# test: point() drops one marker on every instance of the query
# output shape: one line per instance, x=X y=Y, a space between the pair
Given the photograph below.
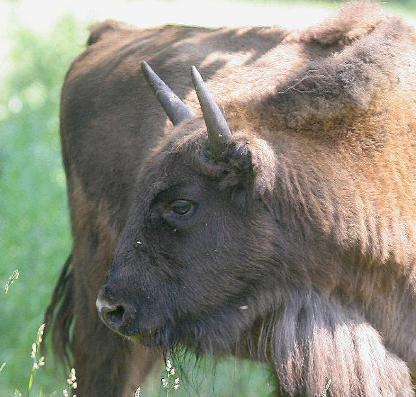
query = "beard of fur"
x=310 y=341
x=313 y=342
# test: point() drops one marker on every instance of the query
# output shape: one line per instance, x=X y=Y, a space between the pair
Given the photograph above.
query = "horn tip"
x=145 y=66
x=196 y=77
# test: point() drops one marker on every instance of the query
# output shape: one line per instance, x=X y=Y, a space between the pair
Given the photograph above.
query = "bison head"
x=200 y=239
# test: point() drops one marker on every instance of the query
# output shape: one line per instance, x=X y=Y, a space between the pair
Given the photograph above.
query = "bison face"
x=197 y=244
x=200 y=239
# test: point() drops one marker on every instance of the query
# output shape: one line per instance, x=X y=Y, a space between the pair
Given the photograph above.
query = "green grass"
x=33 y=215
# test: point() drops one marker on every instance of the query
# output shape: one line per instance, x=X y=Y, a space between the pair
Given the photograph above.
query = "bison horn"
x=175 y=109
x=219 y=134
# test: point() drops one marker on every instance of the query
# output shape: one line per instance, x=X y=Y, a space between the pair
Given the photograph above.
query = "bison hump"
x=354 y=21
x=101 y=29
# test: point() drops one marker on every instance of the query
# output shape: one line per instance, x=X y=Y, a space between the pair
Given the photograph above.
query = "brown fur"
x=312 y=215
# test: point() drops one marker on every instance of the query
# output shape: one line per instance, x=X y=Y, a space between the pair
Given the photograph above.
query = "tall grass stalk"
x=12 y=278
x=38 y=361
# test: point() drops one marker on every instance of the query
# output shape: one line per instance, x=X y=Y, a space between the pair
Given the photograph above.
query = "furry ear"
x=239 y=159
x=249 y=168
x=238 y=173
x=249 y=164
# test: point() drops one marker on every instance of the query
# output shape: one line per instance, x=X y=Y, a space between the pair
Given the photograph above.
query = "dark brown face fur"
x=194 y=278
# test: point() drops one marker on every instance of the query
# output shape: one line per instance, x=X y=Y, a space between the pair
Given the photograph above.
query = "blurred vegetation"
x=33 y=216
x=403 y=4
x=34 y=225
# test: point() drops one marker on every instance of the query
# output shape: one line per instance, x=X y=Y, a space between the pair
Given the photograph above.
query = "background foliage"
x=34 y=227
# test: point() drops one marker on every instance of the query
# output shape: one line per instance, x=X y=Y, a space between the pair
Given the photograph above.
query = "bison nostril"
x=119 y=316
x=112 y=315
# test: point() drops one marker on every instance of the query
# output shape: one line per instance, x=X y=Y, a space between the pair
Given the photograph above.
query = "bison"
x=268 y=212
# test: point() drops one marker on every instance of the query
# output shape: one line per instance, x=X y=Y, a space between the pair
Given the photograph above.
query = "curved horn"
x=219 y=134
x=175 y=109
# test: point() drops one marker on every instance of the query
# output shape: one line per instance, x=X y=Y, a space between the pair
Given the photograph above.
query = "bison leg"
x=317 y=341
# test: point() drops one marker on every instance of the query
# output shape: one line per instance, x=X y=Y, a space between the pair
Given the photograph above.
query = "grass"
x=33 y=215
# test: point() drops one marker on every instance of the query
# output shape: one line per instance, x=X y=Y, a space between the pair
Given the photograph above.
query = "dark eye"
x=181 y=207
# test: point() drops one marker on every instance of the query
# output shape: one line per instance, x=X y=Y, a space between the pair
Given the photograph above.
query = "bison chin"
x=220 y=334
x=219 y=330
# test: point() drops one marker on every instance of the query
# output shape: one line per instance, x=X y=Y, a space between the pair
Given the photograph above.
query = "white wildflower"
x=34 y=350
x=72 y=380
x=168 y=382
x=40 y=334
x=41 y=361
x=37 y=363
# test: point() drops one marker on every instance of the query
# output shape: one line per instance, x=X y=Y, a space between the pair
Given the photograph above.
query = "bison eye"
x=181 y=207
x=179 y=213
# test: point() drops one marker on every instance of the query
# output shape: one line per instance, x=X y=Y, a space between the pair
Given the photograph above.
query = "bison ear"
x=239 y=157
x=251 y=168
x=238 y=170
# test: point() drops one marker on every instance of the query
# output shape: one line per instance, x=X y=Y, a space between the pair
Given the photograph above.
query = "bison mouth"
x=169 y=339
x=156 y=338
x=219 y=334
x=218 y=331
